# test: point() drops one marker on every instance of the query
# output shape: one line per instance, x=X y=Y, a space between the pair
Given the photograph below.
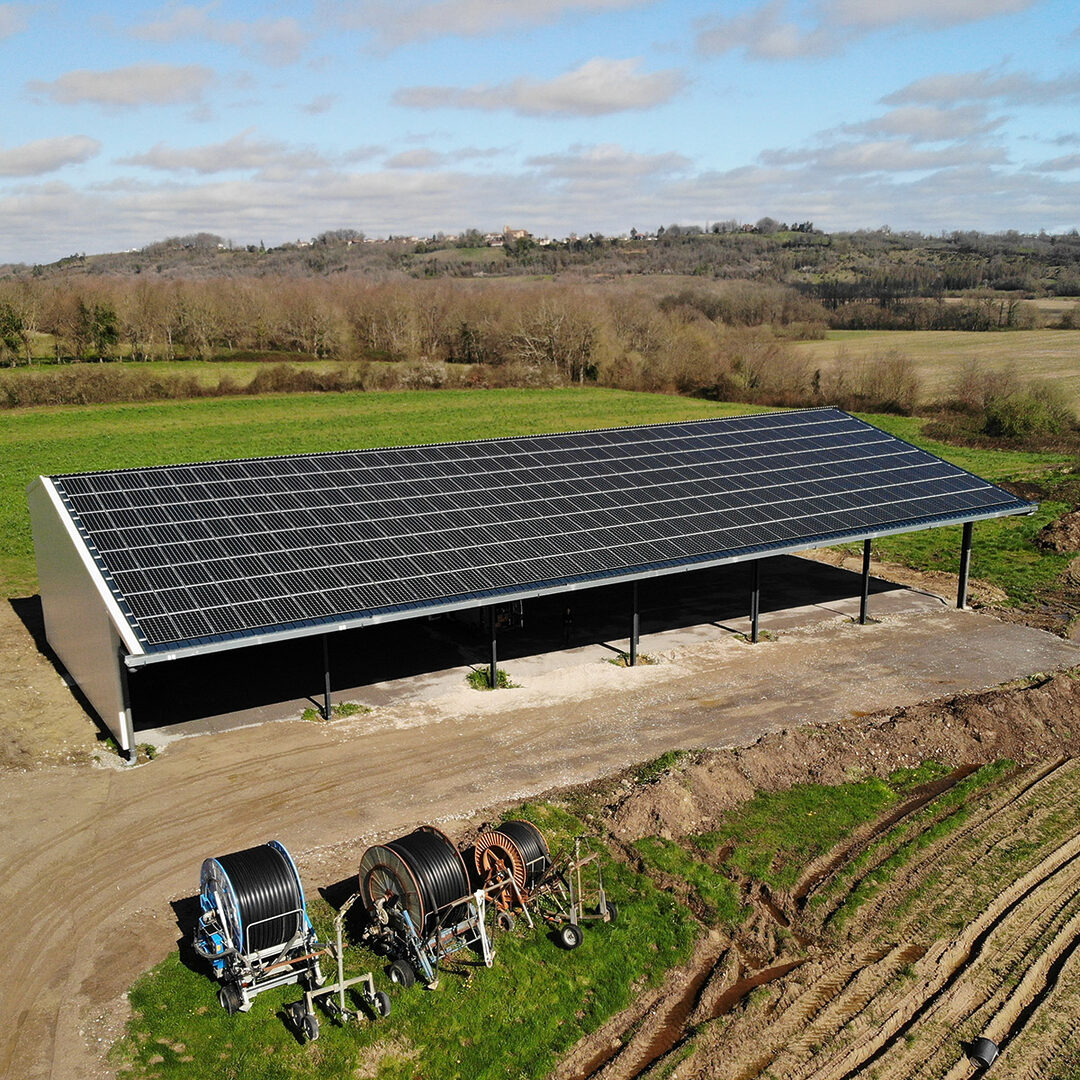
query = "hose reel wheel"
x=517 y=849
x=423 y=873
x=258 y=894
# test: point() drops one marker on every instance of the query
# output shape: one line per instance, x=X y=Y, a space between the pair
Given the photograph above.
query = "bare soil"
x=976 y=935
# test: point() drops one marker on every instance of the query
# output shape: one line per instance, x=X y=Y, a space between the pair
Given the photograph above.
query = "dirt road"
x=92 y=857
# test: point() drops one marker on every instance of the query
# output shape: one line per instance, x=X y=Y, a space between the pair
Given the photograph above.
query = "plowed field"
x=955 y=917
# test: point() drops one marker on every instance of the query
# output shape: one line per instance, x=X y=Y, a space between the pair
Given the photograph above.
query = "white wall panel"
x=77 y=621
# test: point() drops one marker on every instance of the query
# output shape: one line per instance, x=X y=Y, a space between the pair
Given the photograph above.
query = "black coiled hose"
x=533 y=847
x=268 y=896
x=424 y=872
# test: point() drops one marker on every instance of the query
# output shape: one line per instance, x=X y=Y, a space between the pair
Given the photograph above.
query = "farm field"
x=207 y=373
x=954 y=916
x=746 y=934
x=940 y=355
x=76 y=438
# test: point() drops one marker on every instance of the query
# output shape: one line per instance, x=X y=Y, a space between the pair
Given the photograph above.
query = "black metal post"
x=326 y=676
x=755 y=601
x=633 y=624
x=965 y=566
x=493 y=671
x=864 y=603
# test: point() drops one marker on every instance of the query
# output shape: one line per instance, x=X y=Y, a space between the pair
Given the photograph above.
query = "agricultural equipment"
x=302 y=1013
x=254 y=927
x=420 y=907
x=516 y=869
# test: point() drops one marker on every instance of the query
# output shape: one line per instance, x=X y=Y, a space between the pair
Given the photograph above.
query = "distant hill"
x=834 y=268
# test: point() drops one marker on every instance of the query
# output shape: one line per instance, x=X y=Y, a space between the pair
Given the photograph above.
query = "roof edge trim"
x=116 y=616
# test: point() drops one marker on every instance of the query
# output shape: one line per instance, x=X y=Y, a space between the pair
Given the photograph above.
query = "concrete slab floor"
x=916 y=647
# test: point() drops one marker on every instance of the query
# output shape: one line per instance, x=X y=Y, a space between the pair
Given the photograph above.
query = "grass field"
x=514 y=1020
x=47 y=441
x=899 y=893
x=74 y=438
x=207 y=373
x=939 y=355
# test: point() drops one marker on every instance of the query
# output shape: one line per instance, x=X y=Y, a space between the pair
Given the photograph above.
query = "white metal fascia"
x=116 y=616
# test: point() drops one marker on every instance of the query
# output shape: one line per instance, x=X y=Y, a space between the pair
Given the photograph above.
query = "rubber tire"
x=382 y=1004
x=505 y=921
x=229 y=998
x=310 y=1026
x=570 y=936
x=612 y=912
x=402 y=973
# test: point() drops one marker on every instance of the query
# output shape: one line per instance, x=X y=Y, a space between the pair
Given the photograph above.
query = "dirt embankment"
x=1030 y=722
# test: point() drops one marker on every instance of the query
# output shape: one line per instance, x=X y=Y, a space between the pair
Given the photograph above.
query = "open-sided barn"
x=147 y=566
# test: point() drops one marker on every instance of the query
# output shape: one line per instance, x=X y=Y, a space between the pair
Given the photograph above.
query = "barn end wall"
x=77 y=620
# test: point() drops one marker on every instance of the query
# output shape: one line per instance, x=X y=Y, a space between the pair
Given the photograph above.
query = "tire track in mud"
x=821 y=870
x=898 y=1010
x=918 y=866
x=947 y=966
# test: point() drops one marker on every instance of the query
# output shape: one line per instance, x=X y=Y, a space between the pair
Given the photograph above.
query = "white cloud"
x=928 y=123
x=786 y=30
x=399 y=22
x=767 y=34
x=1017 y=89
x=47 y=155
x=885 y=155
x=415 y=159
x=12 y=20
x=318 y=105
x=608 y=161
x=1060 y=164
x=596 y=88
x=240 y=153
x=276 y=41
x=876 y=13
x=128 y=87
x=585 y=189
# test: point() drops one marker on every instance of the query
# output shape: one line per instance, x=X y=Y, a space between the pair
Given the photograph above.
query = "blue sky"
x=124 y=124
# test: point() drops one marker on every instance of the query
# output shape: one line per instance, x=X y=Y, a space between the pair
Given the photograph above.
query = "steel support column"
x=493 y=670
x=633 y=623
x=755 y=600
x=864 y=602
x=326 y=676
x=125 y=696
x=965 y=566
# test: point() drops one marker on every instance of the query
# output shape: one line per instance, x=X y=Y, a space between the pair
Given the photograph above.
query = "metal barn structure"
x=146 y=566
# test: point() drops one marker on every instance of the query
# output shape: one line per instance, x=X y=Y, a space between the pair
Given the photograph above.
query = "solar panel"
x=229 y=550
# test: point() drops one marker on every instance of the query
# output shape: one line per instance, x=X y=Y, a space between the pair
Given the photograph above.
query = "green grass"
x=338 y=711
x=47 y=441
x=933 y=822
x=772 y=837
x=513 y=1020
x=651 y=771
x=83 y=438
x=718 y=894
x=776 y=833
x=480 y=679
x=1002 y=550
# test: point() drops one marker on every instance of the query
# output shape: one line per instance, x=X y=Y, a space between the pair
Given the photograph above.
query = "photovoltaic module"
x=230 y=550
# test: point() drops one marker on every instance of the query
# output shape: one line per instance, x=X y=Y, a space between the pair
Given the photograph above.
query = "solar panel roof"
x=221 y=553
